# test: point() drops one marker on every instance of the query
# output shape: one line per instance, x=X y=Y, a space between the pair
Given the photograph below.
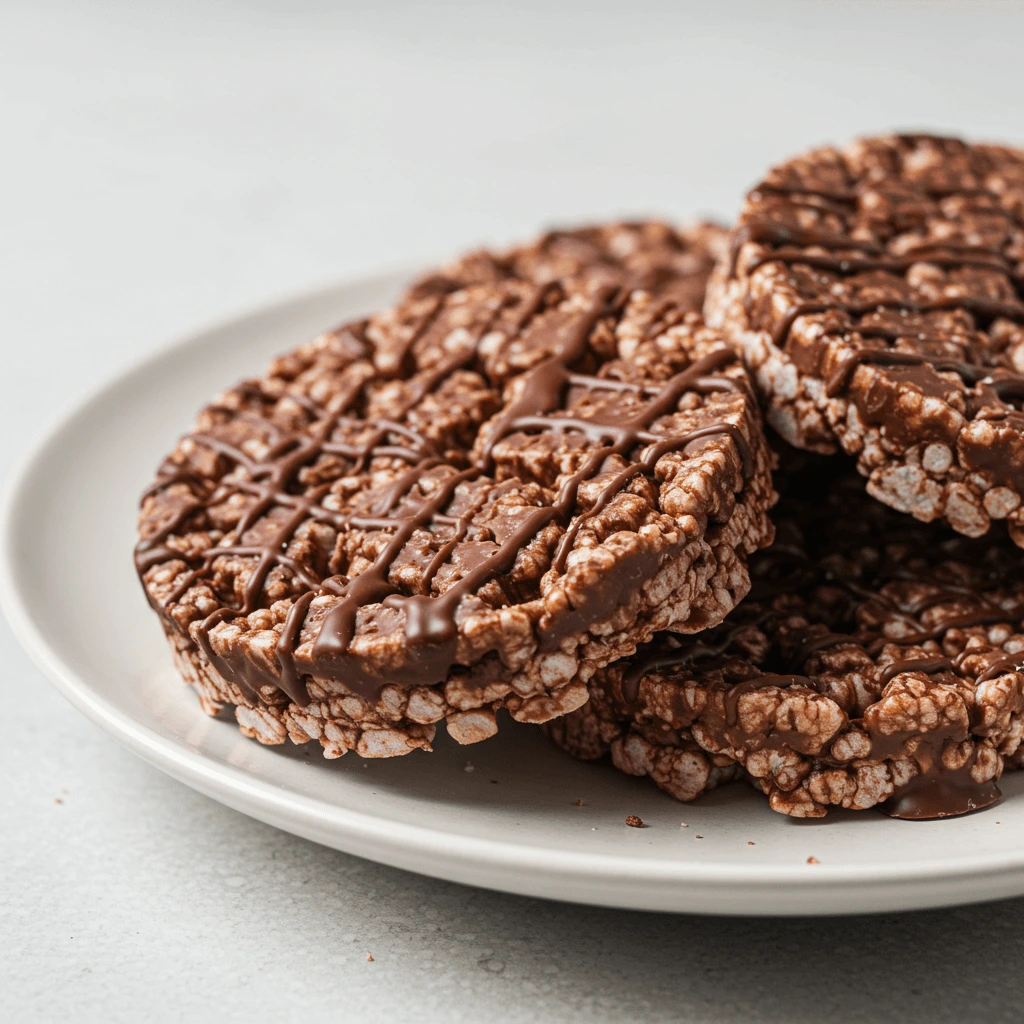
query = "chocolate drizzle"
x=945 y=256
x=988 y=308
x=417 y=500
x=1006 y=663
x=1004 y=383
x=821 y=642
x=929 y=666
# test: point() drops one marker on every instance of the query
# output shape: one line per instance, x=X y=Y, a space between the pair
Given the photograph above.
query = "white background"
x=160 y=169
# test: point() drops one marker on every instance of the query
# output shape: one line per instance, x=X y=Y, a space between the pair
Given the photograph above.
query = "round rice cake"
x=473 y=500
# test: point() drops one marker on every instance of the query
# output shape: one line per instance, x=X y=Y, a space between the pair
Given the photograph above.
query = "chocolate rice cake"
x=876 y=662
x=877 y=292
x=473 y=500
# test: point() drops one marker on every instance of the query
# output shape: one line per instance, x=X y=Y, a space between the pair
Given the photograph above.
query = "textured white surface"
x=161 y=169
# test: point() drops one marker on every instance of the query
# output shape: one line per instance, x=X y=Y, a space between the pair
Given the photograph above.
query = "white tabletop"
x=164 y=168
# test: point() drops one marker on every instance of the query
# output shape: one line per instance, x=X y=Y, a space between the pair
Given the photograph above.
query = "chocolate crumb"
x=635 y=822
x=579 y=803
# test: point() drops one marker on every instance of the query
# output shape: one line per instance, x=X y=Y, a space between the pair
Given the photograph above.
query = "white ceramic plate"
x=502 y=814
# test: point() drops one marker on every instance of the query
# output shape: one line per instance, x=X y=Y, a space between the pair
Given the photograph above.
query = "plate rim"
x=234 y=786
